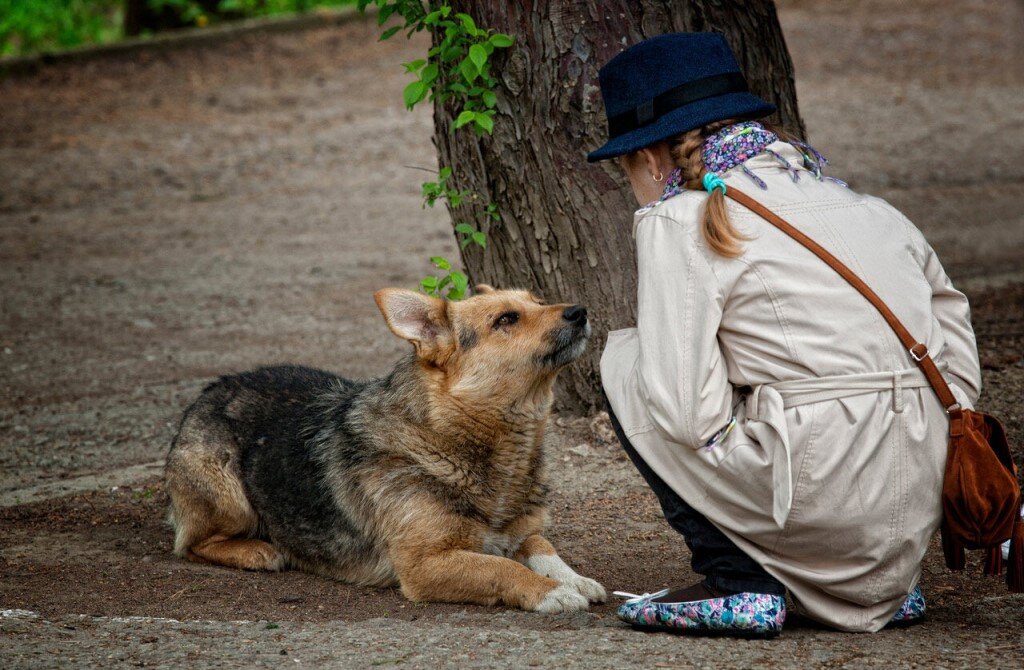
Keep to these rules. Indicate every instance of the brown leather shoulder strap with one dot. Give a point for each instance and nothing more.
(918, 351)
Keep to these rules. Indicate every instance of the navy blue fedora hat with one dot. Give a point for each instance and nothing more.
(668, 85)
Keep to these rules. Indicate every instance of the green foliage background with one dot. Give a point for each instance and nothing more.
(27, 26)
(31, 26)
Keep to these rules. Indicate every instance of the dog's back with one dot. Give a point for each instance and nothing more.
(249, 483)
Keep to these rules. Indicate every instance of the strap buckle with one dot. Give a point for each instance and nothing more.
(915, 356)
(955, 407)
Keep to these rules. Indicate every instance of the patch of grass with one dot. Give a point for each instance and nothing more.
(32, 26)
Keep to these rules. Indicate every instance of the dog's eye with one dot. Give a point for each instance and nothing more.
(506, 319)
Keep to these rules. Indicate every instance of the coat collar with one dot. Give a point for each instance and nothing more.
(767, 166)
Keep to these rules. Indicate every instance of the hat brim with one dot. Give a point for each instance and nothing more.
(683, 119)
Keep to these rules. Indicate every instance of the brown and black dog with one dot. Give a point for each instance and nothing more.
(431, 477)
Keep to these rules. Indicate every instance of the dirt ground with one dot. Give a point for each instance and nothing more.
(169, 217)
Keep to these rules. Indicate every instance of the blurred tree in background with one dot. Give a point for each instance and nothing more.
(27, 26)
(30, 26)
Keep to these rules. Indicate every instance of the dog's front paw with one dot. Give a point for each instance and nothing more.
(586, 587)
(555, 568)
(562, 598)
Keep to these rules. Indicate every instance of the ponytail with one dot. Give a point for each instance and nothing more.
(719, 233)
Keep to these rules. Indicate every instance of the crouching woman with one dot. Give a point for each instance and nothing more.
(789, 436)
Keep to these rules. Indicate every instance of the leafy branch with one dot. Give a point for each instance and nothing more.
(456, 71)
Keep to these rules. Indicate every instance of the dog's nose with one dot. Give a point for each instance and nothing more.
(575, 314)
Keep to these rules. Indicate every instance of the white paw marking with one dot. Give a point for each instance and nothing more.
(555, 568)
(562, 598)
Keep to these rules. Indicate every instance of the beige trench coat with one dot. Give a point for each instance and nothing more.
(831, 478)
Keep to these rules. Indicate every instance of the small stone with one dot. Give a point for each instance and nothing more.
(581, 449)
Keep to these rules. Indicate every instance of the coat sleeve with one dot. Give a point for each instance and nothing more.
(681, 374)
(953, 313)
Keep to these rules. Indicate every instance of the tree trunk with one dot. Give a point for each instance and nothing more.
(566, 226)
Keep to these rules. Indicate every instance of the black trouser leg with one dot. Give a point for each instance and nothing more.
(724, 565)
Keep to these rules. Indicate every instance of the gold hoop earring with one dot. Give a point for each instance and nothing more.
(661, 176)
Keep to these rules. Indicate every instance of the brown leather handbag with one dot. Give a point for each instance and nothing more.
(981, 498)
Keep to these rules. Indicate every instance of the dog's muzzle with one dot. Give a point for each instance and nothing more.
(570, 340)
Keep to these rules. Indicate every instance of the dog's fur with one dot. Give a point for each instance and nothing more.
(431, 477)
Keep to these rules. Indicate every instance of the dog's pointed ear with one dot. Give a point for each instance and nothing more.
(481, 289)
(418, 318)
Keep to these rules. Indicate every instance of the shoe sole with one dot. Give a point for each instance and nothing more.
(706, 632)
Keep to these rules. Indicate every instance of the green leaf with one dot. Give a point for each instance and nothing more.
(480, 238)
(444, 173)
(483, 122)
(465, 229)
(467, 22)
(429, 282)
(501, 40)
(413, 93)
(478, 56)
(465, 242)
(490, 98)
(460, 281)
(450, 53)
(469, 70)
(389, 33)
(429, 74)
(464, 118)
(441, 262)
(413, 66)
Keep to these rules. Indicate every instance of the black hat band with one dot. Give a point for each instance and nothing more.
(674, 98)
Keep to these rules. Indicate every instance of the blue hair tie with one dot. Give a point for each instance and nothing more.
(713, 181)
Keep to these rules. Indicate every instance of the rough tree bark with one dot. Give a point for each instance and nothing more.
(566, 224)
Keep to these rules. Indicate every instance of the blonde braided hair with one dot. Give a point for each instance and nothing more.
(687, 151)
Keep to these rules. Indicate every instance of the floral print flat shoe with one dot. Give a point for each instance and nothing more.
(739, 614)
(912, 611)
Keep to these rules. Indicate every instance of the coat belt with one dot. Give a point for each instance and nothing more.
(766, 419)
